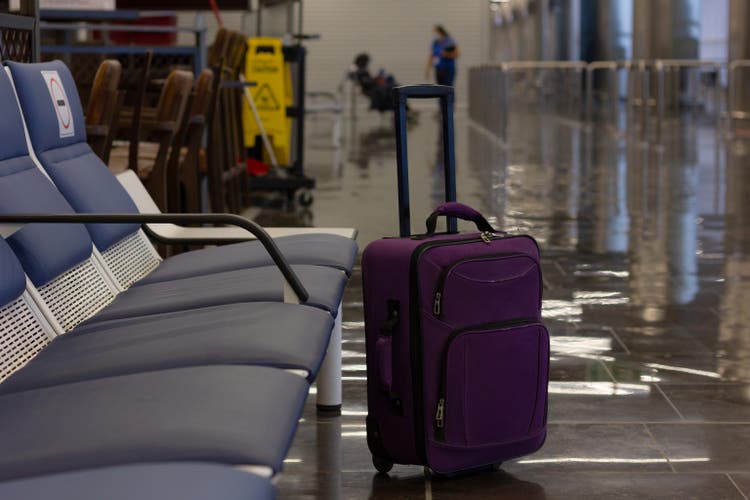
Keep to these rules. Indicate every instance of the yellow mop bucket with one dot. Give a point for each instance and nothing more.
(264, 64)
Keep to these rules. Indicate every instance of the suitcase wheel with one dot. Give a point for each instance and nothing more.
(382, 465)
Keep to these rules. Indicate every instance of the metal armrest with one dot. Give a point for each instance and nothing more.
(291, 278)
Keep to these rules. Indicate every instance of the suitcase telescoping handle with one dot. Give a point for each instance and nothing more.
(446, 96)
(461, 211)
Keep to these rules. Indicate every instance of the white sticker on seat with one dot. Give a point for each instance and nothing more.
(60, 102)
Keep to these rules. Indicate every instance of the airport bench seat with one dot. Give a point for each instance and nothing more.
(238, 415)
(155, 481)
(51, 253)
(263, 334)
(226, 413)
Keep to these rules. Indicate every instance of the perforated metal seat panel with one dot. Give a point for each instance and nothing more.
(131, 259)
(76, 295)
(21, 336)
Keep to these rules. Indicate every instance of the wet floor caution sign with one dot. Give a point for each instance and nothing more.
(264, 65)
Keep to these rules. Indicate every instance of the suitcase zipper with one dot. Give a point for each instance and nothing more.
(415, 332)
(443, 385)
(437, 303)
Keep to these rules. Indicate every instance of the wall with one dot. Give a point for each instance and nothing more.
(396, 33)
(714, 44)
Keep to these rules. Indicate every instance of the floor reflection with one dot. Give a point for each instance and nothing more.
(646, 256)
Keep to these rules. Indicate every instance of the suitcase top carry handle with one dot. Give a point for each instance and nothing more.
(461, 211)
(446, 96)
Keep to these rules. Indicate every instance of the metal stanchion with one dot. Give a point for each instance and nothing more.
(645, 97)
(732, 112)
(659, 69)
(611, 67)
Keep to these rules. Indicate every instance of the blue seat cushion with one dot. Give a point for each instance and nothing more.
(45, 250)
(13, 281)
(80, 175)
(328, 250)
(89, 187)
(260, 284)
(156, 481)
(260, 333)
(224, 414)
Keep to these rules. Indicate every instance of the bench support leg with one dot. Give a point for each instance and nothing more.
(329, 378)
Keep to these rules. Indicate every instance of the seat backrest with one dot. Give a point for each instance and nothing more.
(102, 107)
(163, 182)
(174, 96)
(203, 93)
(102, 99)
(57, 257)
(218, 48)
(58, 136)
(184, 191)
(82, 178)
(45, 250)
(23, 330)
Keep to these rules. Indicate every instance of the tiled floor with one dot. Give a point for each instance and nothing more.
(647, 297)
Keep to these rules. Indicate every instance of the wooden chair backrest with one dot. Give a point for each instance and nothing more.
(103, 96)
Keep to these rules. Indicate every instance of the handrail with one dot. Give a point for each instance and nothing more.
(646, 75)
(514, 65)
(57, 26)
(264, 238)
(690, 63)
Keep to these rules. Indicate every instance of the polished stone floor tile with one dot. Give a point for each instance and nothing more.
(608, 402)
(705, 447)
(713, 403)
(681, 369)
(564, 368)
(742, 480)
(658, 339)
(577, 485)
(594, 447)
(667, 368)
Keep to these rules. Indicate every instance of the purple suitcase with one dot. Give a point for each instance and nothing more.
(457, 356)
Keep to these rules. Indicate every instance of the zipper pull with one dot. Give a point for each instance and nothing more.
(486, 236)
(440, 414)
(437, 304)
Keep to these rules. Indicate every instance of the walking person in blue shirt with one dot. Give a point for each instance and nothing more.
(442, 57)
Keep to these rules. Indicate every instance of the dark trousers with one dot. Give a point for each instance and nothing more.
(445, 76)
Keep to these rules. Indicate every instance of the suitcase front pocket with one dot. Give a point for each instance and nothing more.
(481, 288)
(493, 384)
